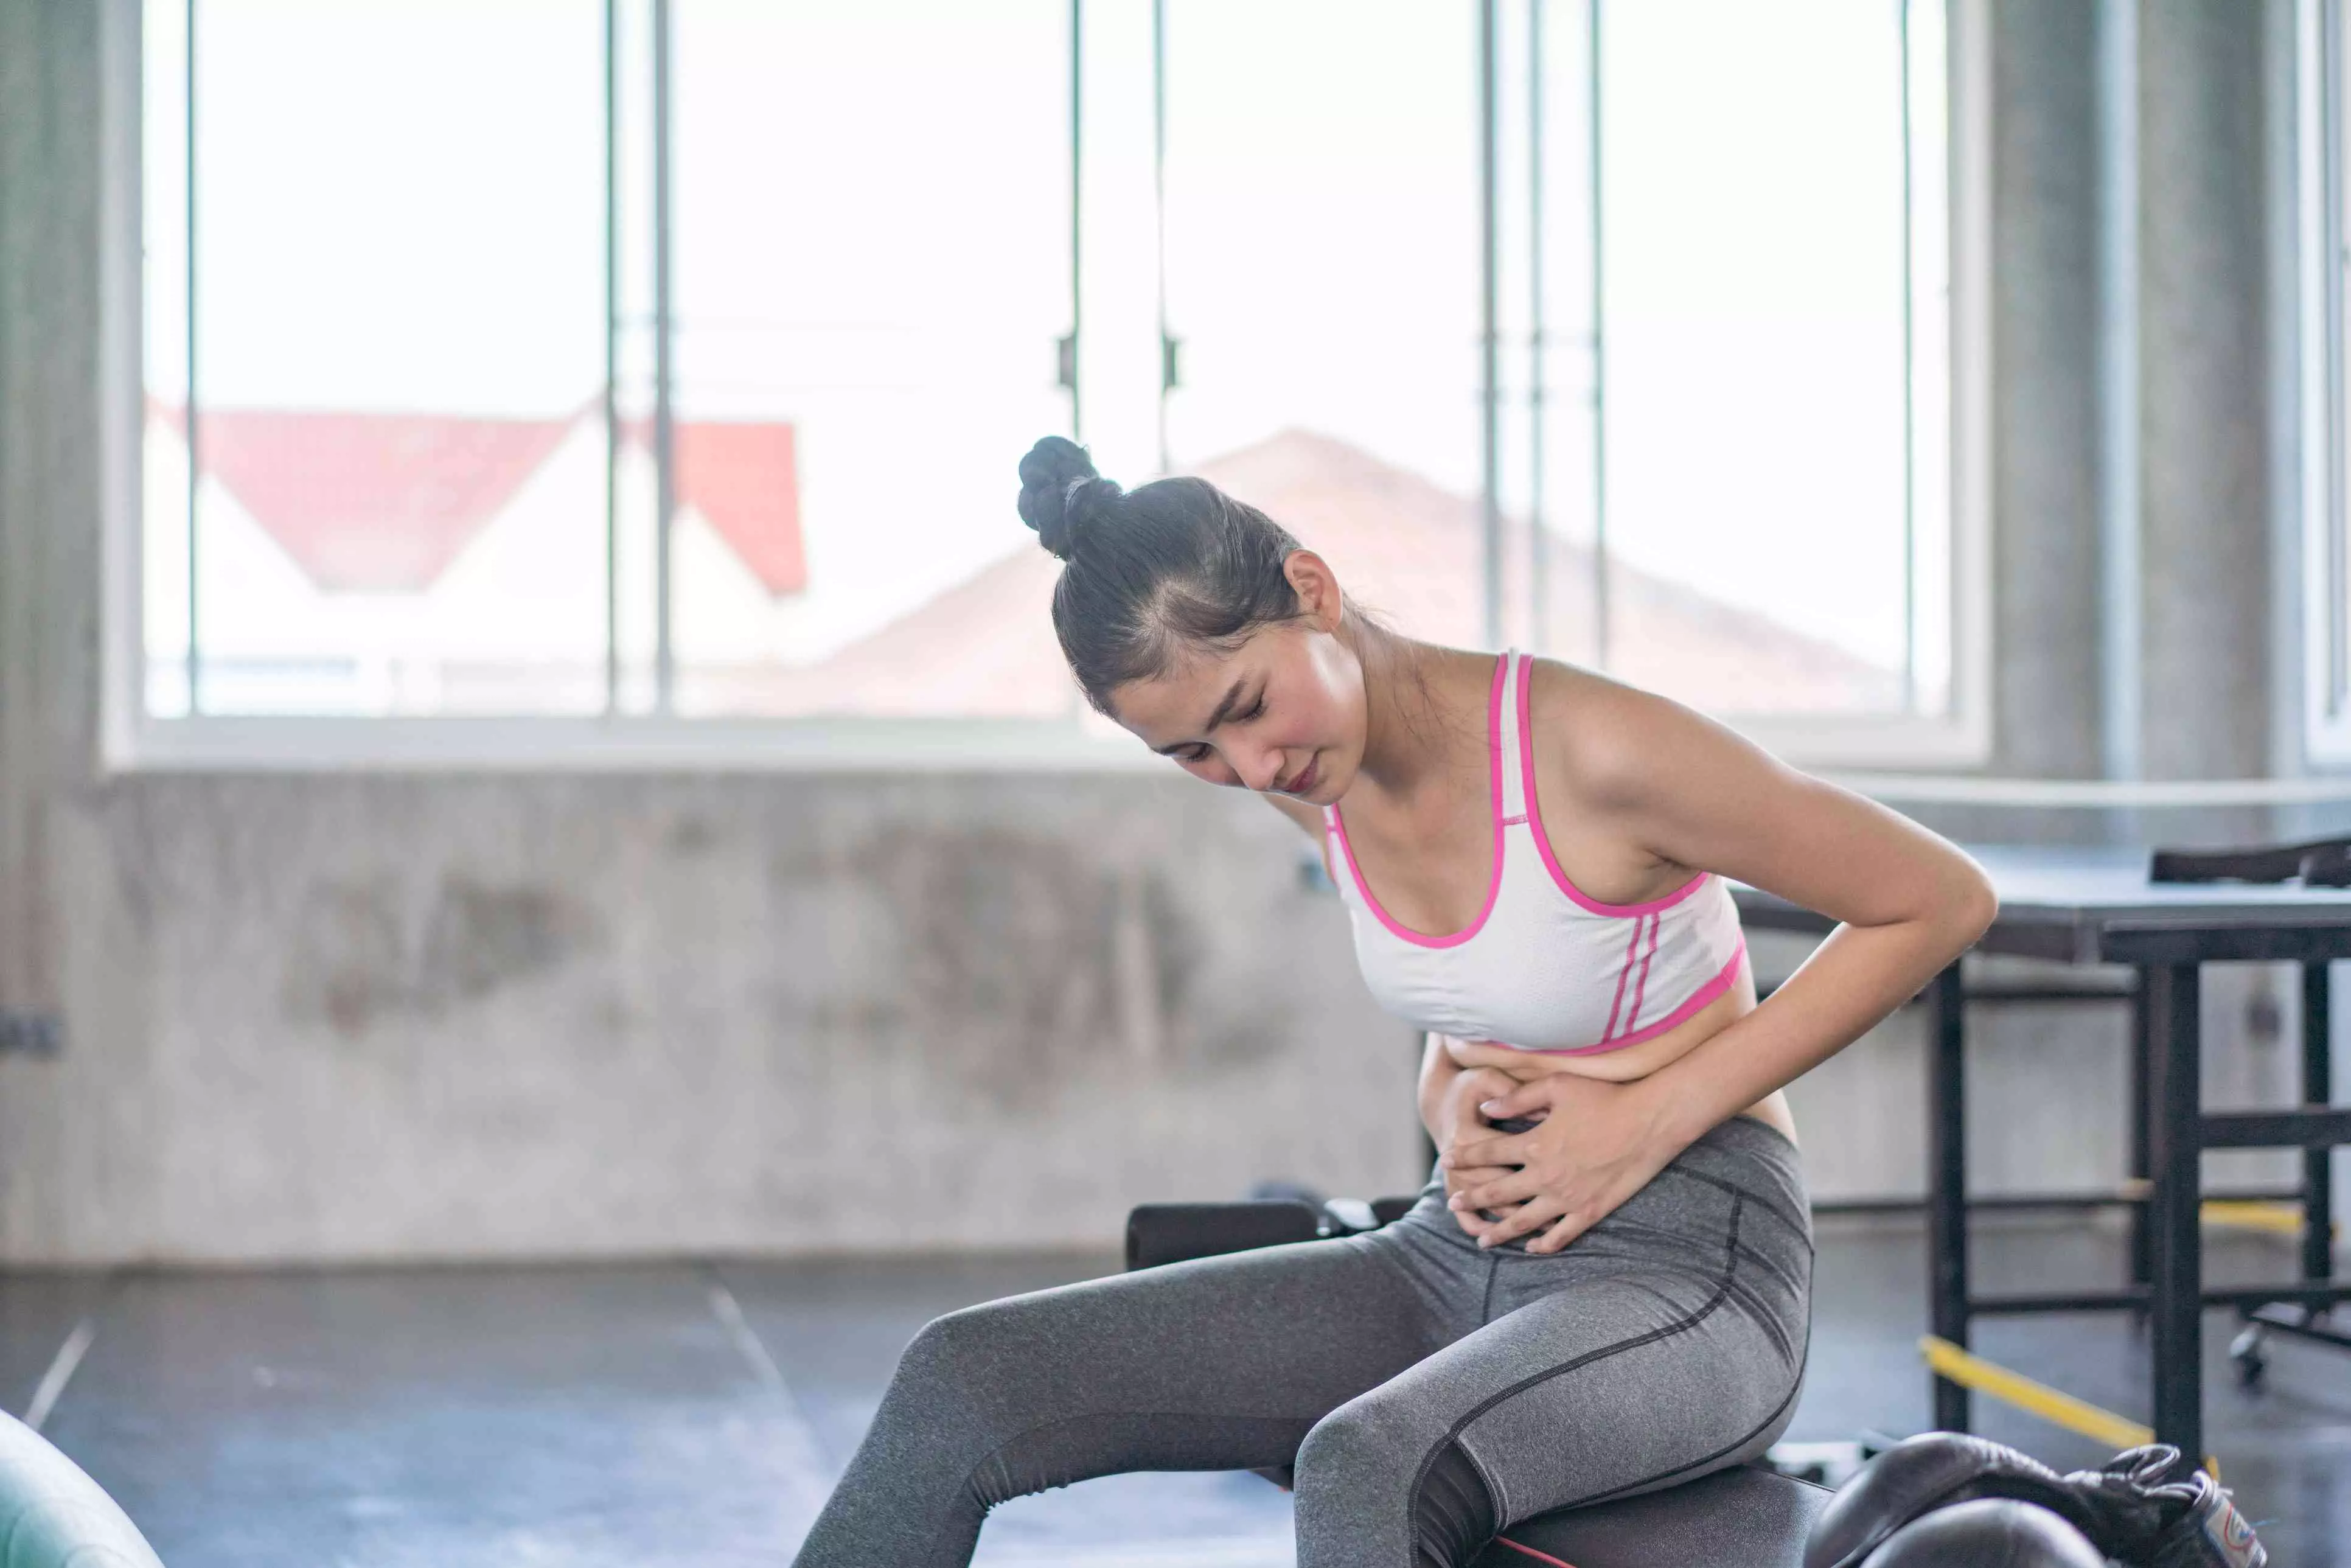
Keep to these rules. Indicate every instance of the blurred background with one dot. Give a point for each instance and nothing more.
(556, 896)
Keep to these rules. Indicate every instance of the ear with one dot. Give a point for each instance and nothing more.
(1317, 587)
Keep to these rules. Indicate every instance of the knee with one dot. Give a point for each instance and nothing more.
(1355, 1444)
(1370, 1451)
(954, 1353)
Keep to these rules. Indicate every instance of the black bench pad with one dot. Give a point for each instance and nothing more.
(1744, 1518)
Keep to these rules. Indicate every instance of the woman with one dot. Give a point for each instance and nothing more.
(1605, 1287)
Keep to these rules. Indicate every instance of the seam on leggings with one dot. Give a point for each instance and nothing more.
(1785, 1400)
(1453, 1433)
(1765, 1204)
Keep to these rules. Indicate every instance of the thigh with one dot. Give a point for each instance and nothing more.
(1214, 1364)
(1619, 1387)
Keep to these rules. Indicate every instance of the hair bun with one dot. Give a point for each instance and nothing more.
(1061, 491)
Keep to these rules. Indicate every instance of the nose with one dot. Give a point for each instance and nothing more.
(1266, 772)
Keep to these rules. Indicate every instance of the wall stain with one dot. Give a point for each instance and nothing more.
(357, 958)
(992, 957)
(479, 937)
(347, 964)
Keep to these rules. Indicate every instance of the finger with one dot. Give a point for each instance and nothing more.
(1531, 1214)
(1563, 1231)
(1476, 1224)
(1530, 1096)
(1488, 1148)
(1476, 1176)
(1503, 1187)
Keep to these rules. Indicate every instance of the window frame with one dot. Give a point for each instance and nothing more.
(2324, 536)
(132, 740)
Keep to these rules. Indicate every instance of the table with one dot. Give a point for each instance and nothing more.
(2096, 907)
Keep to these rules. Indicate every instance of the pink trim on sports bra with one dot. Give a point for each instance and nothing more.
(1493, 888)
(1697, 999)
(1542, 838)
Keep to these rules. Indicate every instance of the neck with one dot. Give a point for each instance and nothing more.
(1411, 736)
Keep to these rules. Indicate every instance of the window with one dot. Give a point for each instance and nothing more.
(1771, 518)
(647, 375)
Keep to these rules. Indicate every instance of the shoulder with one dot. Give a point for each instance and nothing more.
(1607, 743)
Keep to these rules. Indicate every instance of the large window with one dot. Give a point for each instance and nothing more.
(628, 367)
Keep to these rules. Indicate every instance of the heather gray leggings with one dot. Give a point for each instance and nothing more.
(1427, 1393)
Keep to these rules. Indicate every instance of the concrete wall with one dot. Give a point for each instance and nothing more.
(315, 1018)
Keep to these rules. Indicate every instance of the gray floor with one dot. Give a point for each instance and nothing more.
(696, 1413)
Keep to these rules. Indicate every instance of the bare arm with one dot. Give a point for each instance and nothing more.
(1909, 902)
(1694, 793)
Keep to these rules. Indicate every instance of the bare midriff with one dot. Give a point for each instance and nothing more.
(1633, 1062)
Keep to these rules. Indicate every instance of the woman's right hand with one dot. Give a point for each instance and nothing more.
(1459, 1115)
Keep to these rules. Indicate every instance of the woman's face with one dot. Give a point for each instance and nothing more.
(1282, 714)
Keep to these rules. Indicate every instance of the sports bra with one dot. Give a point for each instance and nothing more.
(1543, 967)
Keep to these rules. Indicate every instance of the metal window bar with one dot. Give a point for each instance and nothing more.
(1489, 347)
(1159, 216)
(2338, 650)
(1068, 347)
(1538, 541)
(611, 358)
(1909, 385)
(1600, 619)
(664, 370)
(195, 464)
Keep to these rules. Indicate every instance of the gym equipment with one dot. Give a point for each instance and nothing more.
(1990, 1533)
(2146, 1506)
(1747, 1517)
(2320, 863)
(52, 1515)
(2084, 906)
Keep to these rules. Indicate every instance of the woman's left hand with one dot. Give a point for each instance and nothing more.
(1599, 1144)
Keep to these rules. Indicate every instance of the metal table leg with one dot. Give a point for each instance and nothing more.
(2142, 1250)
(1946, 1182)
(2174, 1140)
(2317, 1089)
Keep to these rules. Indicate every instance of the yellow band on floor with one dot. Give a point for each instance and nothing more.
(2281, 1219)
(1948, 1360)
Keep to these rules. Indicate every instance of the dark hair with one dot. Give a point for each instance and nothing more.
(1173, 564)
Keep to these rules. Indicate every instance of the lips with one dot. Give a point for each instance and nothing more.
(1302, 782)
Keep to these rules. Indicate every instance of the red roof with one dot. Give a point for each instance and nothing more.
(743, 478)
(382, 503)
(373, 502)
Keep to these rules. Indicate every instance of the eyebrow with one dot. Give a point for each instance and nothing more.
(1224, 711)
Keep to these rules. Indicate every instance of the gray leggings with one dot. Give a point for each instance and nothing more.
(1427, 1393)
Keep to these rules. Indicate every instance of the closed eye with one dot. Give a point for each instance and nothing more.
(1198, 750)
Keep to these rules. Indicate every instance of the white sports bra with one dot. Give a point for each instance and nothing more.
(1543, 967)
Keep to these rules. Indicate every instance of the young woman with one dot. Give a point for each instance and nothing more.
(1604, 1288)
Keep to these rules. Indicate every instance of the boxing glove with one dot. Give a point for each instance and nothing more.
(2132, 1509)
(1990, 1532)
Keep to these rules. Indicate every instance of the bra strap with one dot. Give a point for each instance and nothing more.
(1507, 724)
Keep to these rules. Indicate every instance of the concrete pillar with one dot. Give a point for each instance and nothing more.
(2046, 390)
(77, 1127)
(48, 431)
(2207, 597)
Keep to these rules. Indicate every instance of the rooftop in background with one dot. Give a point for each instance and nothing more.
(1404, 548)
(383, 503)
